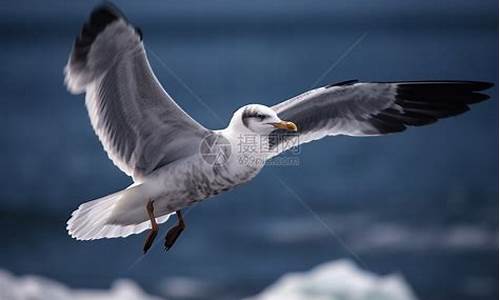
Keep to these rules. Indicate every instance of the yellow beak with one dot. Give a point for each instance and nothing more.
(290, 126)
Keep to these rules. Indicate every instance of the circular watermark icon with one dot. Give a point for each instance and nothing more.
(215, 149)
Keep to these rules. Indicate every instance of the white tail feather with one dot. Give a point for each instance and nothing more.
(90, 220)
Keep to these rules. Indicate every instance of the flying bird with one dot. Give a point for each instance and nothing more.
(175, 162)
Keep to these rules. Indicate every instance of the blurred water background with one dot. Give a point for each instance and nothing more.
(423, 203)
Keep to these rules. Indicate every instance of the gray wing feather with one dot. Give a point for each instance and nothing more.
(138, 123)
(376, 108)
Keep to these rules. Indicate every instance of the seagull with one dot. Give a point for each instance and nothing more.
(175, 162)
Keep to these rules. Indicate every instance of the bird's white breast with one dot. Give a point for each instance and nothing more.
(192, 179)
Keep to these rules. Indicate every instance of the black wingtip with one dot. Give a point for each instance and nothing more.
(424, 102)
(108, 8)
(100, 17)
(474, 86)
(450, 92)
(482, 85)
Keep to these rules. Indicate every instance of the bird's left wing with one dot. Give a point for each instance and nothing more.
(370, 109)
(138, 123)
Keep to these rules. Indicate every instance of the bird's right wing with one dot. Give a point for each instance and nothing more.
(138, 123)
(372, 108)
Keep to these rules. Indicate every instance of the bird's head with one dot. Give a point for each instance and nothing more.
(259, 119)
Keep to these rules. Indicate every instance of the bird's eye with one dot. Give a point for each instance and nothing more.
(260, 116)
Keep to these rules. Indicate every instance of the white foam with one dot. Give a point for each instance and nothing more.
(338, 280)
(39, 288)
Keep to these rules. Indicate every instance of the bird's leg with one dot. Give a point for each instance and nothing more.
(174, 232)
(154, 227)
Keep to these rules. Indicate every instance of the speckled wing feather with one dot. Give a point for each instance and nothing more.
(138, 123)
(373, 108)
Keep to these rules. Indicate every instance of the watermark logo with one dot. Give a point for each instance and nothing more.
(252, 150)
(215, 149)
(259, 150)
(272, 144)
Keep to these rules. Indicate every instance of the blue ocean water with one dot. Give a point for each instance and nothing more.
(423, 203)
